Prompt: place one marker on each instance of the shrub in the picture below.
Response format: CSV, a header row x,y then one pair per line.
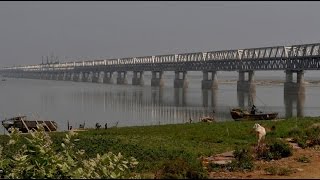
x,y
36,158
313,135
275,149
303,159
243,160
278,171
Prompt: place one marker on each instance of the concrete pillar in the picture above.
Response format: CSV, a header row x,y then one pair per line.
x,y
68,76
89,76
294,100
209,83
75,76
292,87
246,85
108,77
122,77
71,76
137,78
180,97
246,98
181,82
95,77
157,79
80,78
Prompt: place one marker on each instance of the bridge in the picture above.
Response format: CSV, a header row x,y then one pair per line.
x,y
291,59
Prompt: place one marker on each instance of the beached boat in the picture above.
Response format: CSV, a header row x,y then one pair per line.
x,y
206,119
239,114
25,125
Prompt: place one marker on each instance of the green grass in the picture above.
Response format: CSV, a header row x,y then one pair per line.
x,y
154,145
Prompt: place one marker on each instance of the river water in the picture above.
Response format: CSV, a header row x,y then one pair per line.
x,y
127,105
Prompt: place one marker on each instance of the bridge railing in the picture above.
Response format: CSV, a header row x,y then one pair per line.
x,y
279,52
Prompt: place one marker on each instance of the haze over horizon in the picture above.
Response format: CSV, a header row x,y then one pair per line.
x,y
76,31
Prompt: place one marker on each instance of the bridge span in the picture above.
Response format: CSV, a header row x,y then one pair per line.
x,y
290,59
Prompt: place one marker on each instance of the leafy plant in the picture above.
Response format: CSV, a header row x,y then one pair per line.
x,y
243,160
278,171
274,149
36,158
303,159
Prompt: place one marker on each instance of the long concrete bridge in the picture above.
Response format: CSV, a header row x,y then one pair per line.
x,y
291,59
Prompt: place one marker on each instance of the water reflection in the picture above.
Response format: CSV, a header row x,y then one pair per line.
x,y
292,101
180,98
246,98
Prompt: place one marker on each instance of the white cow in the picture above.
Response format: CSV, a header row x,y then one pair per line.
x,y
260,131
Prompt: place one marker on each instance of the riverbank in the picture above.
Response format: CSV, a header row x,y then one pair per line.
x,y
155,146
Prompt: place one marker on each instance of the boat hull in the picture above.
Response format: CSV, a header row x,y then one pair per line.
x,y
24,125
239,115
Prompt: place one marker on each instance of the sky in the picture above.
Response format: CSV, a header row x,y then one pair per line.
x,y
76,31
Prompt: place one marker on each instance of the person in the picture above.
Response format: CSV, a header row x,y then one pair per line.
x,y
253,109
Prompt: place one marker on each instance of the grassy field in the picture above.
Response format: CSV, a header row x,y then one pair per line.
x,y
154,145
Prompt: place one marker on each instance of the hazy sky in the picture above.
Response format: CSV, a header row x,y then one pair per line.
x,y
76,30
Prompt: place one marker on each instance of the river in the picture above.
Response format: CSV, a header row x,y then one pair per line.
x,y
127,105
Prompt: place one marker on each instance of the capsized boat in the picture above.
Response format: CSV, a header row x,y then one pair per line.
x,y
239,114
25,125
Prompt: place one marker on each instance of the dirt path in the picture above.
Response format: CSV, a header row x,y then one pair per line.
x,y
300,170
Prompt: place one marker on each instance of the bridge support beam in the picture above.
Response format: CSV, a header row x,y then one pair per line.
x,y
122,77
71,76
209,83
246,85
108,77
157,79
89,76
75,76
95,77
137,78
81,77
292,87
68,77
181,81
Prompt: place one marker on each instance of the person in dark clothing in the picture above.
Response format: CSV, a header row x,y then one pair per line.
x,y
253,109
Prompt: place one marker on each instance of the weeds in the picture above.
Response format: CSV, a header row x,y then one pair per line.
x,y
278,171
303,159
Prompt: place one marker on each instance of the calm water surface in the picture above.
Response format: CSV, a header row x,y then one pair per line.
x,y
127,105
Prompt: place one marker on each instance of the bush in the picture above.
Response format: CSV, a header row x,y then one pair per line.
x,y
275,149
303,159
278,171
243,160
36,158
313,135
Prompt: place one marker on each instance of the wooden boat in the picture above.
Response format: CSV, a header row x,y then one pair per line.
x,y
240,114
25,125
206,119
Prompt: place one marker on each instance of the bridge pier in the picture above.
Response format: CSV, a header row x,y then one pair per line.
x,y
108,77
137,78
85,77
122,77
246,85
157,79
56,76
209,94
292,87
68,76
209,83
89,76
181,82
71,76
80,77
95,77
246,98
180,97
